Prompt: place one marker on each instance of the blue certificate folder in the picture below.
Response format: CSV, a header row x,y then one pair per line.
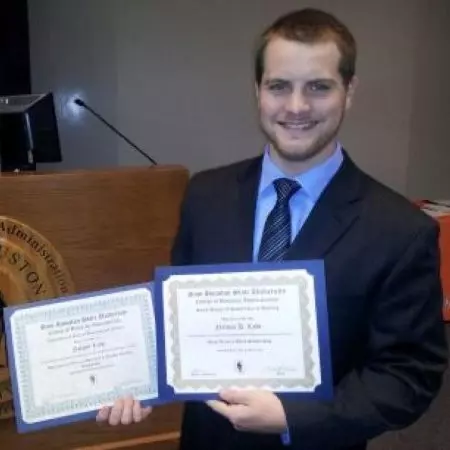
x,y
162,333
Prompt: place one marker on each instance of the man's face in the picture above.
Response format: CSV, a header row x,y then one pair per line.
x,y
302,101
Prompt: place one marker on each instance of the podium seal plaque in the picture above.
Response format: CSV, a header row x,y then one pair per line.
x,y
31,269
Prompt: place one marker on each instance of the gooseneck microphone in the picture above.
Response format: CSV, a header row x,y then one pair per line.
x,y
83,104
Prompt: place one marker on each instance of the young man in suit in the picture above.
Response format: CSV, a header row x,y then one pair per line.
x,y
304,198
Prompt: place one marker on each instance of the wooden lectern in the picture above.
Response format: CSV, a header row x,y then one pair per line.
x,y
82,231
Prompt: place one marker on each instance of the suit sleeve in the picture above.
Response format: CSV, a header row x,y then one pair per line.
x,y
406,357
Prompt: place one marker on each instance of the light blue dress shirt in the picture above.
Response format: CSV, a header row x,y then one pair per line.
x,y
312,183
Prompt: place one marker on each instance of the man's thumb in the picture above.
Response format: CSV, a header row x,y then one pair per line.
x,y
235,396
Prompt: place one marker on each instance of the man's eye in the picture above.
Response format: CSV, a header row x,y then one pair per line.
x,y
277,87
319,87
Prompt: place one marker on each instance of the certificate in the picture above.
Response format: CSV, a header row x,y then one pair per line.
x,y
244,326
71,356
188,334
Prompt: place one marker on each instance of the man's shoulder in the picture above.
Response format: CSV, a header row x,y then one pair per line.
x,y
222,176
385,205
229,170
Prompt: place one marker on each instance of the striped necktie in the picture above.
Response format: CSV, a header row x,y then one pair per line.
x,y
276,237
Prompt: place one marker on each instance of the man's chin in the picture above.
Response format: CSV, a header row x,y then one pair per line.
x,y
296,154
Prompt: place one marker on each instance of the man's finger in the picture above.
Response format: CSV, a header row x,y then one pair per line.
x,y
146,412
116,413
220,407
103,414
137,411
127,412
235,397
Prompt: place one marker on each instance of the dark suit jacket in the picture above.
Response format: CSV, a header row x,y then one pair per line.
x,y
384,300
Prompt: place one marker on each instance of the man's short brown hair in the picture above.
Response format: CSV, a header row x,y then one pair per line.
x,y
310,26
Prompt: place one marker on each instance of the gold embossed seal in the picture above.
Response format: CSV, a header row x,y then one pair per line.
x,y
31,269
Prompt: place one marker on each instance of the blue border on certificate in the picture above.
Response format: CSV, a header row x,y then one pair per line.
x,y
314,267
9,311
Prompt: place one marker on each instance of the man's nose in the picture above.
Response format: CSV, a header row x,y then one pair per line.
x,y
297,102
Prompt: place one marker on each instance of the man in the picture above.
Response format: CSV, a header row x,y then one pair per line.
x,y
306,199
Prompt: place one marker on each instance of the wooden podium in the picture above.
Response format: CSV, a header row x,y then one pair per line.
x,y
82,231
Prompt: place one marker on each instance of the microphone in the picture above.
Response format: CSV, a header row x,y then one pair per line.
x,y
81,103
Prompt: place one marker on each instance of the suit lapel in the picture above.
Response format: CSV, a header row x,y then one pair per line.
x,y
247,189
335,211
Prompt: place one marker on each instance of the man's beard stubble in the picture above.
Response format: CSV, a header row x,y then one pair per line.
x,y
322,142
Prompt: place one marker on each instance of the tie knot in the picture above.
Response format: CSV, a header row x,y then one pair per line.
x,y
285,188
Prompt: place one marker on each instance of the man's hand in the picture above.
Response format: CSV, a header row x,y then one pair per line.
x,y
257,411
124,411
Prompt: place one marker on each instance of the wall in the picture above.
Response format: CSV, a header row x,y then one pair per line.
x,y
176,77
429,149
73,52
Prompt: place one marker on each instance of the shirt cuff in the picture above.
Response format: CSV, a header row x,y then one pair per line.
x,y
286,438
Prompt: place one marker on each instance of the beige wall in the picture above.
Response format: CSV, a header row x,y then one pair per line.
x,y
176,77
429,148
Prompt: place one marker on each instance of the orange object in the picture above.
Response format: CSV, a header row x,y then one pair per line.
x,y
441,212
444,243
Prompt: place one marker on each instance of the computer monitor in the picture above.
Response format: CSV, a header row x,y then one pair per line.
x,y
28,131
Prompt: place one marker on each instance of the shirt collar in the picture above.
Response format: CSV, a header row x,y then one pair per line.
x,y
313,181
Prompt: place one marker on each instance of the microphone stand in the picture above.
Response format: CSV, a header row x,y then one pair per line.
x,y
81,103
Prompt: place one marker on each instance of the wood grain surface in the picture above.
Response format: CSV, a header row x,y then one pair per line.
x,y
111,228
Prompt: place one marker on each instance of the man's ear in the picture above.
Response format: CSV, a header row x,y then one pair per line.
x,y
351,88
257,90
